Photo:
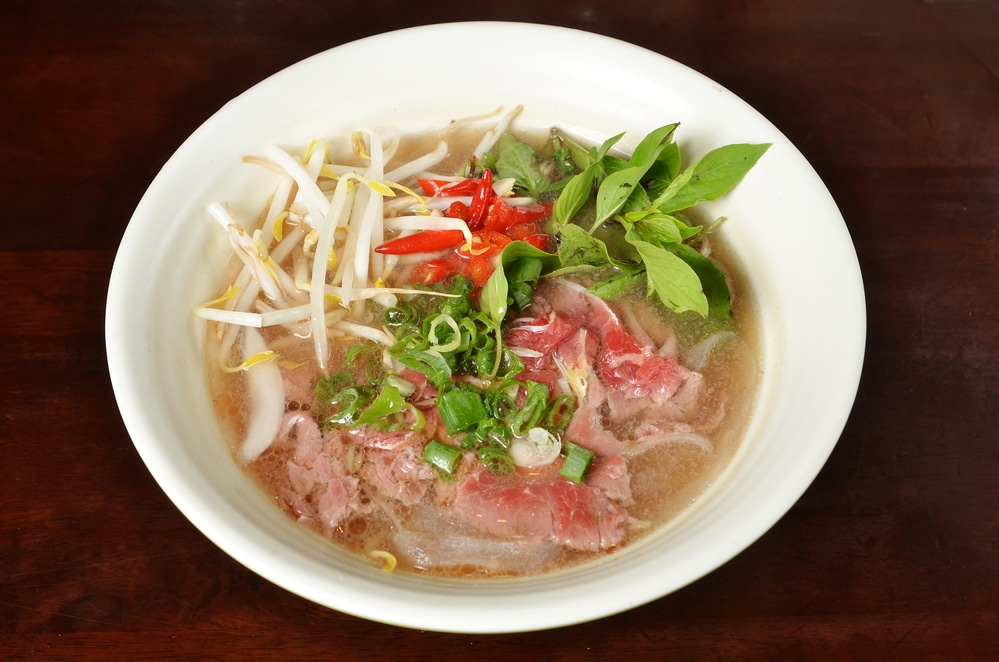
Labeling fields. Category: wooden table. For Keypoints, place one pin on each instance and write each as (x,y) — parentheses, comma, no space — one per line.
(893,553)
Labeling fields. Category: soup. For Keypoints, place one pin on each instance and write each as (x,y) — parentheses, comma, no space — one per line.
(484,353)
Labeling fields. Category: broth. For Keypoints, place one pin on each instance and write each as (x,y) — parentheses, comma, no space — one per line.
(390,504)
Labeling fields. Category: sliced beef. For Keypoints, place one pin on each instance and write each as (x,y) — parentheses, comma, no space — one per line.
(539,508)
(609,474)
(400,474)
(623,383)
(309,474)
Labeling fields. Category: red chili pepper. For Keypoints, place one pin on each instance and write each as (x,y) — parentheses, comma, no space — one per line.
(434,271)
(501,215)
(457,209)
(485,243)
(533,213)
(422,242)
(430,186)
(480,201)
(446,188)
(523,230)
(477,269)
(540,241)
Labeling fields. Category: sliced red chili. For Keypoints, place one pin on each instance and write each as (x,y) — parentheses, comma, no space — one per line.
(533,213)
(434,271)
(480,201)
(446,188)
(523,230)
(541,241)
(426,241)
(457,209)
(501,215)
(477,269)
(485,243)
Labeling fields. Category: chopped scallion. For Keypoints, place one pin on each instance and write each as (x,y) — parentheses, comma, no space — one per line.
(460,409)
(496,459)
(577,462)
(443,457)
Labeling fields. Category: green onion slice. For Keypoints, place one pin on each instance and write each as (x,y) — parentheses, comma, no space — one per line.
(440,455)
(577,462)
(460,409)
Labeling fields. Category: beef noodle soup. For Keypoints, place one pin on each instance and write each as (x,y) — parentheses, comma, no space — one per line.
(484,353)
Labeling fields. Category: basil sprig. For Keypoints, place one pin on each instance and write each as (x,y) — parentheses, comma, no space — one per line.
(638,200)
(520,267)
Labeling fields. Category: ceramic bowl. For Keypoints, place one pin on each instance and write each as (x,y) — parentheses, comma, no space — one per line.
(786,228)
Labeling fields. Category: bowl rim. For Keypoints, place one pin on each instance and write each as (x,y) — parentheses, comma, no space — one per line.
(482,607)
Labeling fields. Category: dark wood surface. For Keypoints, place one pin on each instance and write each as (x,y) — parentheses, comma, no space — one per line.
(891,554)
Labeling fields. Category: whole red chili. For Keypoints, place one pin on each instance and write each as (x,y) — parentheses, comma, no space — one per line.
(480,201)
(426,241)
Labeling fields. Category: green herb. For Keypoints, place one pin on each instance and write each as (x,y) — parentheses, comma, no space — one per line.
(677,285)
(430,363)
(525,264)
(532,412)
(534,173)
(345,404)
(713,176)
(559,413)
(641,232)
(577,191)
(520,161)
(622,184)
(342,401)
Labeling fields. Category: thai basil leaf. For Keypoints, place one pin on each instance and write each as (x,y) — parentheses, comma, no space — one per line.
(578,247)
(617,286)
(494,299)
(677,285)
(714,175)
(575,194)
(615,190)
(594,165)
(713,282)
(662,229)
(664,170)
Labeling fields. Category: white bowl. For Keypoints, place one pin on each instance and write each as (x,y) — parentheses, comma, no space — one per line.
(788,232)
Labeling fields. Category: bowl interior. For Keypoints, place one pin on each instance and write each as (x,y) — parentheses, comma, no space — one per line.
(785,227)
